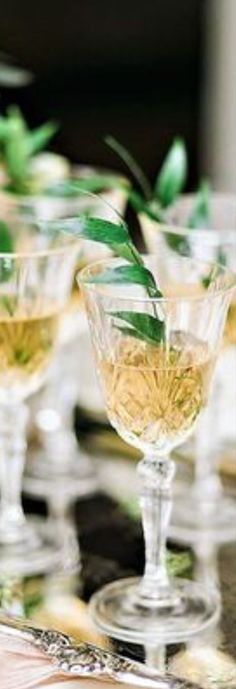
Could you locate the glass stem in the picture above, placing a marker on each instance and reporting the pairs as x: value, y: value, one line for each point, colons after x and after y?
x: 207, y: 482
x: 13, y: 420
x: 156, y: 477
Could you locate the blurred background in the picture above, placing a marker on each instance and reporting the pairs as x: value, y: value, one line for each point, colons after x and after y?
x: 143, y: 72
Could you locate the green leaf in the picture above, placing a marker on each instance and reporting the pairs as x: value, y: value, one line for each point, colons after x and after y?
x: 6, y: 247
x: 16, y: 153
x: 96, y: 229
x: 172, y: 176
x: 4, y: 129
x: 221, y: 257
x: 200, y: 214
x: 130, y: 274
x: 6, y: 240
x: 150, y: 208
x: 137, y: 201
x: 130, y: 332
x: 9, y: 304
x: 132, y: 165
x: 39, y: 138
x: 178, y: 243
x: 208, y: 279
x: 143, y: 325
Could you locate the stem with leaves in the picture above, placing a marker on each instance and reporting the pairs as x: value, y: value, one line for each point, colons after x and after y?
x: 169, y: 184
x: 137, y: 324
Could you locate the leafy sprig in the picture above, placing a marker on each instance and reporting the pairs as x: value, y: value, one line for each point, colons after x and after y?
x: 169, y: 184
x: 140, y: 325
x: 18, y: 144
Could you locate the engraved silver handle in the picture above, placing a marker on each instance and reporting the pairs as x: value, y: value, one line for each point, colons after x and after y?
x: 85, y: 660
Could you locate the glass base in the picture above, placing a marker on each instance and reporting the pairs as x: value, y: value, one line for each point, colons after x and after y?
x: 39, y: 552
x: 75, y: 478
x: 194, y: 519
x: 117, y: 611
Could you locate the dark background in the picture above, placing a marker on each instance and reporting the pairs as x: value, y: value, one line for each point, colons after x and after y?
x: 130, y: 68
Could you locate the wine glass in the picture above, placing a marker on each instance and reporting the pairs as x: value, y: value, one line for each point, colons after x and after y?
x: 153, y: 395
x: 215, y: 436
x: 36, y: 273
x: 60, y: 457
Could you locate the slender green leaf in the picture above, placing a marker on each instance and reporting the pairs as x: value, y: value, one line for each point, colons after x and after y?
x: 137, y: 201
x: 212, y: 275
x: 206, y: 281
x: 132, y: 165
x: 221, y: 257
x: 9, y: 304
x: 40, y: 137
x: 130, y: 274
x: 178, y: 243
x: 6, y: 240
x: 143, y: 325
x: 200, y: 214
x: 6, y: 247
x: 4, y: 129
x: 97, y: 230
x: 14, y: 114
x: 16, y: 153
x: 172, y: 176
x: 150, y: 208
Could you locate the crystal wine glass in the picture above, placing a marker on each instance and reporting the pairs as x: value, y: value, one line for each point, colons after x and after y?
x: 60, y: 457
x: 153, y: 395
x: 36, y: 273
x: 215, y: 435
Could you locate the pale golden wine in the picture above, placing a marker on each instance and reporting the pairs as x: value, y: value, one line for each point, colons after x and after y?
x: 230, y: 328
x: 27, y: 337
x: 152, y: 393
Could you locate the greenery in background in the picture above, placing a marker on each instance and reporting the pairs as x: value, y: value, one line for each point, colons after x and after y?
x: 18, y: 145
x: 21, y: 597
x: 169, y: 184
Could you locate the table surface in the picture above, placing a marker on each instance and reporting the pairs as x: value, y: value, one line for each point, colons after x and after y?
x: 112, y: 547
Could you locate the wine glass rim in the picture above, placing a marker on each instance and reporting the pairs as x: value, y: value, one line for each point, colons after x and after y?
x: 41, y: 253
x: 78, y: 169
x: 70, y: 243
x: 110, y: 294
x: 170, y: 227
x: 71, y: 239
